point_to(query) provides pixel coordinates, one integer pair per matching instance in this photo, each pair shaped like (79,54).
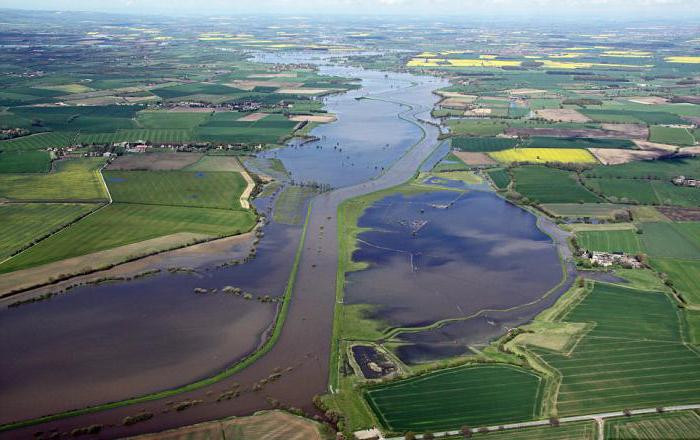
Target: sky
(623,9)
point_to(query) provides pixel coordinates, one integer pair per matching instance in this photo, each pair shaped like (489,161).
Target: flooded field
(446,255)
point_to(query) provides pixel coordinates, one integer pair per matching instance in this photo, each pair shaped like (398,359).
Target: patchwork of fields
(549,185)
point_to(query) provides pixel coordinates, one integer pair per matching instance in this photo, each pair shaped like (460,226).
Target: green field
(671,135)
(633,116)
(153,135)
(472,127)
(665,169)
(672,240)
(450,163)
(177,188)
(646,192)
(289,206)
(32,161)
(165,119)
(676,425)
(500,177)
(685,275)
(626,241)
(482,144)
(40,141)
(24,222)
(471,395)
(598,210)
(549,185)
(634,357)
(225,128)
(555,142)
(566,431)
(74,179)
(120,224)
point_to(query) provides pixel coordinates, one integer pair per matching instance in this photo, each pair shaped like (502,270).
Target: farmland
(610,367)
(76,179)
(672,240)
(23,223)
(121,224)
(549,185)
(500,178)
(678,425)
(543,155)
(472,395)
(177,188)
(25,162)
(626,241)
(568,431)
(685,275)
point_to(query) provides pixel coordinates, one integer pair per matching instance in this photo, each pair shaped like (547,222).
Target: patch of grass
(448,399)
(555,142)
(675,425)
(359,323)
(671,135)
(672,240)
(476,127)
(633,117)
(663,169)
(500,177)
(685,275)
(39,141)
(165,119)
(567,431)
(177,188)
(648,192)
(643,279)
(626,241)
(25,162)
(577,210)
(23,223)
(482,144)
(73,179)
(550,185)
(120,224)
(634,357)
(450,163)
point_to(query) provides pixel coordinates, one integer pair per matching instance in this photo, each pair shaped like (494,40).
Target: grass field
(597,210)
(448,399)
(685,275)
(179,120)
(554,142)
(177,188)
(655,192)
(500,177)
(626,241)
(567,431)
(24,222)
(35,161)
(120,224)
(632,116)
(38,141)
(222,128)
(216,163)
(482,144)
(634,357)
(74,179)
(665,169)
(676,425)
(671,135)
(543,155)
(472,127)
(672,240)
(549,185)
(289,206)
(153,135)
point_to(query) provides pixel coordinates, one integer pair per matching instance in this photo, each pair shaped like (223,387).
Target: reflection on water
(450,254)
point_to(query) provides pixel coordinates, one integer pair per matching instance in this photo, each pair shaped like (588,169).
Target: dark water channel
(451,254)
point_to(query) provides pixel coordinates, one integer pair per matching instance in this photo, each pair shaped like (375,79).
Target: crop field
(665,169)
(25,162)
(482,144)
(164,119)
(40,141)
(672,240)
(91,119)
(558,142)
(566,431)
(265,131)
(119,224)
(500,178)
(676,425)
(598,210)
(24,222)
(155,135)
(471,395)
(179,91)
(633,117)
(543,155)
(645,191)
(671,135)
(74,179)
(472,127)
(634,357)
(177,188)
(289,206)
(216,163)
(626,241)
(549,185)
(685,275)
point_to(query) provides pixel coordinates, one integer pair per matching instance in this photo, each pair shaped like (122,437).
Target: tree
(466,431)
(409,436)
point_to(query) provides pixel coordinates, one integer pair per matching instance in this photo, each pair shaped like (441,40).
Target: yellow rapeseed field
(542,155)
(442,62)
(687,60)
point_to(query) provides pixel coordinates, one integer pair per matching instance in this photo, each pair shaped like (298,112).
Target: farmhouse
(684,181)
(607,259)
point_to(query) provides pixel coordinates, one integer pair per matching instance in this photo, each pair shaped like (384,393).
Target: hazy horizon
(623,10)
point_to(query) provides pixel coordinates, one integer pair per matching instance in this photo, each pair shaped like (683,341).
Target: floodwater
(449,255)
